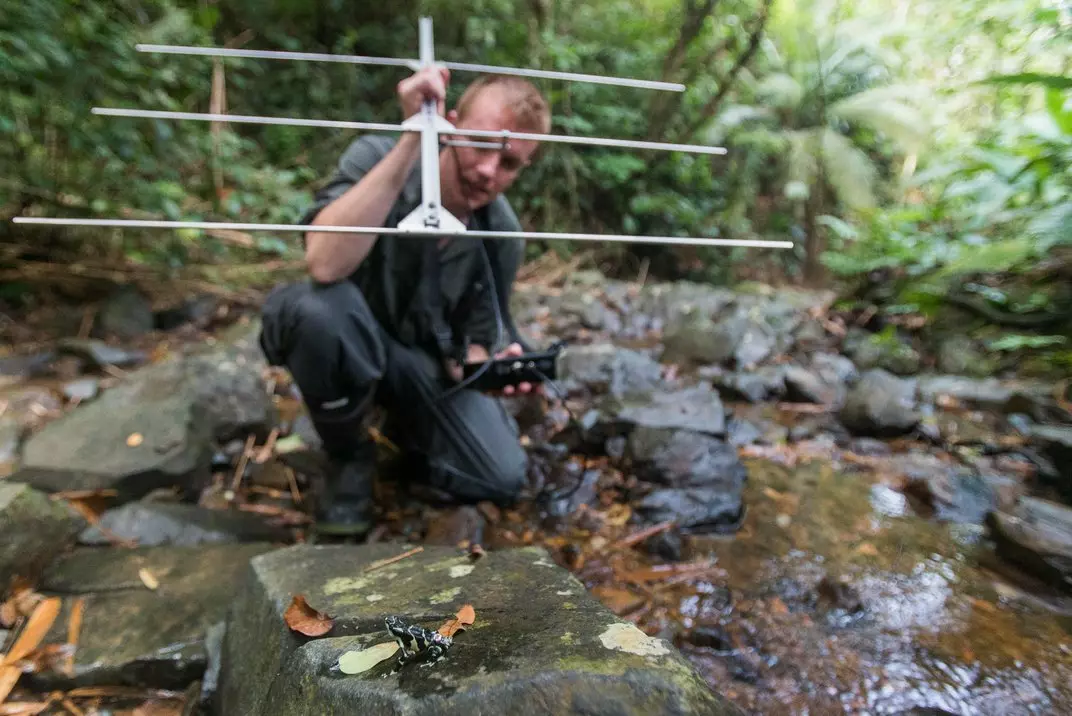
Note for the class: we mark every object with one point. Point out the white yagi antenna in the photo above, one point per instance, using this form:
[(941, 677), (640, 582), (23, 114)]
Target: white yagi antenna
[(430, 218)]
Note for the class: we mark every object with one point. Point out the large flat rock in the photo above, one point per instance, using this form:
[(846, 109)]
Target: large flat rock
[(174, 408), (33, 530), (151, 524), (136, 636), (697, 408), (540, 644)]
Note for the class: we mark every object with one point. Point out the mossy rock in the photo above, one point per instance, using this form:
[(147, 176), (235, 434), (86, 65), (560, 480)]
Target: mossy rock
[(33, 531), (540, 644)]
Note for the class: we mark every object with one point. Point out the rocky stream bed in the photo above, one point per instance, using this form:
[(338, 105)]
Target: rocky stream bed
[(821, 517)]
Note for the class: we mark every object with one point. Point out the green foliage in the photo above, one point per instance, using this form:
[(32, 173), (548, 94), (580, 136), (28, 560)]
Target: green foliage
[(1017, 342)]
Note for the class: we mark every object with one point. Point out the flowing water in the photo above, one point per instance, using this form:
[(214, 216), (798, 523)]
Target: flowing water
[(837, 598)]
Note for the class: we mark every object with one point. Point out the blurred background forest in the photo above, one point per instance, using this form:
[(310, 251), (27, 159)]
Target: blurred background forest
[(915, 151)]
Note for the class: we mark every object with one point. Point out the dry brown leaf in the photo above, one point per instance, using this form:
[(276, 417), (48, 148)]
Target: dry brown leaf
[(465, 617), (69, 707), (134, 439), (148, 579), (9, 613), (867, 550), (36, 628), (24, 708), (302, 618), (9, 676), (74, 629), (619, 601)]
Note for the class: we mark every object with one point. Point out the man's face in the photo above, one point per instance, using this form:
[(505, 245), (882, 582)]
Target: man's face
[(486, 173)]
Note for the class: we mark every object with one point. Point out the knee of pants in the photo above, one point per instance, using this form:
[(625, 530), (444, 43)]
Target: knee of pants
[(509, 473)]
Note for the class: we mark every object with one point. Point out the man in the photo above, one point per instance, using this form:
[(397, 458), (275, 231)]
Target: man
[(389, 319)]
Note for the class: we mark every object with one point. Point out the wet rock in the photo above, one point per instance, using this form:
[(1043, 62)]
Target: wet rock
[(590, 662), (10, 439), (684, 459), (1056, 444), (950, 493), (666, 545), (810, 337), (452, 527), (972, 392), (1036, 537), (134, 635), (880, 405), (887, 352), (839, 594), (960, 355), (667, 304), (697, 408), (700, 340), (125, 314), (710, 637), (870, 447), (25, 366), (175, 408), (766, 383), (152, 524), (742, 432), (716, 509), (605, 368), (99, 354), (199, 311), (33, 530), (80, 391), (582, 489)]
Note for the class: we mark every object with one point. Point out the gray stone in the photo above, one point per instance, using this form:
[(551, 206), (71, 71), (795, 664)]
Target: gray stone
[(742, 432), (697, 408), (176, 407), (1036, 537), (982, 393), (33, 530), (802, 385), (1056, 443), (605, 368), (136, 636), (880, 405), (960, 355), (695, 509), (98, 353), (685, 459), (835, 368), (10, 439), (668, 303), (126, 314), (152, 524), (81, 390), (888, 352), (765, 383), (700, 340), (585, 491), (540, 644)]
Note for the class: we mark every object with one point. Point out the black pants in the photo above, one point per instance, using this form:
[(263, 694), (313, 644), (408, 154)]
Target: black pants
[(344, 361)]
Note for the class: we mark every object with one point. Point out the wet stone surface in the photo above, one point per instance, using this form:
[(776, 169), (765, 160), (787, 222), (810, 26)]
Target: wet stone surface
[(136, 636), (151, 524), (540, 644), (34, 530)]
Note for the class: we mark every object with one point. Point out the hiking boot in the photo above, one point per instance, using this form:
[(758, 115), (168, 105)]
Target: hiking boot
[(345, 509)]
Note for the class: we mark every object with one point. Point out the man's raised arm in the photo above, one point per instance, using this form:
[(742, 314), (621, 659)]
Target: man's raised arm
[(331, 256)]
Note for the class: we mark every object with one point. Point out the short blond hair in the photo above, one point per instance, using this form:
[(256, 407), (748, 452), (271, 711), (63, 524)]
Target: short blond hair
[(528, 105)]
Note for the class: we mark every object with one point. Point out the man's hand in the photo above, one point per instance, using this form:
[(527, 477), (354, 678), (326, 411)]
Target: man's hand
[(426, 83), (478, 354)]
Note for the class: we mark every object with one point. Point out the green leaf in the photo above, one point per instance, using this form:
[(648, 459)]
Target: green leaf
[(1018, 342), (1058, 106), (1059, 82)]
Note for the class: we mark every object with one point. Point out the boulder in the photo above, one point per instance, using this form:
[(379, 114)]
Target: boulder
[(135, 635), (540, 643), (685, 459), (34, 529), (960, 355), (697, 408), (766, 383), (153, 430), (605, 368), (1056, 443), (696, 509), (125, 314), (887, 352), (880, 405), (1036, 537), (151, 524)]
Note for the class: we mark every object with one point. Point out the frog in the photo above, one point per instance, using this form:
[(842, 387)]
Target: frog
[(431, 646)]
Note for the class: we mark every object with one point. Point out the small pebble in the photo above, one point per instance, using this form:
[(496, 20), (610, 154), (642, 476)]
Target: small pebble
[(783, 520)]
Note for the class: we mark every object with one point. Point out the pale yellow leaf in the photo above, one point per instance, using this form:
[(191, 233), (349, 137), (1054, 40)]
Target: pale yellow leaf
[(148, 579), (356, 662)]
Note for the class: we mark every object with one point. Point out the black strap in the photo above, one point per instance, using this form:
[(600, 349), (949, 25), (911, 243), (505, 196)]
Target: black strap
[(433, 300)]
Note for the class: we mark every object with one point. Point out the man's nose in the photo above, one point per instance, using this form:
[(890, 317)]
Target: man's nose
[(488, 165)]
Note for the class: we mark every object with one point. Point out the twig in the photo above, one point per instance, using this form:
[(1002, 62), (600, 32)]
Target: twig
[(83, 494), (392, 560), (71, 708), (242, 463), (642, 535), (88, 317), (269, 445), (643, 275), (295, 493)]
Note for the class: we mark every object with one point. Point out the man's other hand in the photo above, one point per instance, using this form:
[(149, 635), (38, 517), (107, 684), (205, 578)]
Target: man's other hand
[(426, 83), (478, 354)]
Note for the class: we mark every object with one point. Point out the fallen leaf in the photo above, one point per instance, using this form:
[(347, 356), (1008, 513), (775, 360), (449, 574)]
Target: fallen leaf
[(74, 629), (356, 662), (147, 578), (36, 628), (23, 708), (465, 617), (867, 550), (619, 601), (8, 614), (777, 606), (134, 440), (302, 618), (618, 515)]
